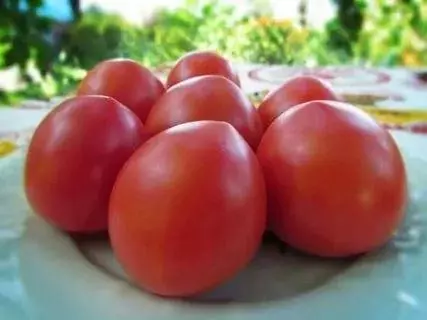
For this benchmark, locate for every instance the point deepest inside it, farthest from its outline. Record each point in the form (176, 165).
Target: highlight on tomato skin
(209, 97)
(199, 63)
(188, 209)
(125, 80)
(297, 90)
(336, 181)
(73, 160)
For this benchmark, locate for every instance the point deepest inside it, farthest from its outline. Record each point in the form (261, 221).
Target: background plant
(394, 33)
(52, 56)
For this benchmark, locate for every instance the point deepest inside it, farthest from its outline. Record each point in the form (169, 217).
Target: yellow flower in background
(411, 59)
(264, 21)
(6, 147)
(285, 23)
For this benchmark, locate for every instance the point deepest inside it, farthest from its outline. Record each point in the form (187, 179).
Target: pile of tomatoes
(187, 176)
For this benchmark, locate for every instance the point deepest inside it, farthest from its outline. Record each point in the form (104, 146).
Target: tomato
(295, 91)
(73, 160)
(188, 210)
(126, 81)
(208, 97)
(335, 179)
(199, 63)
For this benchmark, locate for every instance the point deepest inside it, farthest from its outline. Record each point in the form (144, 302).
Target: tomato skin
(73, 160)
(199, 63)
(297, 90)
(208, 97)
(188, 210)
(126, 81)
(336, 181)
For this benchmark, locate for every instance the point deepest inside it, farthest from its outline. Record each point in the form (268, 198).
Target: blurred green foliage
(94, 37)
(23, 35)
(265, 40)
(170, 34)
(377, 32)
(343, 31)
(394, 33)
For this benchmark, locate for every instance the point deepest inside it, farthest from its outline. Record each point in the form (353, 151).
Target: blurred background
(46, 46)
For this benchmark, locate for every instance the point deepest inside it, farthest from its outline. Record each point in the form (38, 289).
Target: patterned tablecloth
(397, 97)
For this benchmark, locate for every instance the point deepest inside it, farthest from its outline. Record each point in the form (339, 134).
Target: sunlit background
(138, 12)
(47, 45)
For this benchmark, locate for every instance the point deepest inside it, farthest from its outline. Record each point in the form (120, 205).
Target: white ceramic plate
(68, 280)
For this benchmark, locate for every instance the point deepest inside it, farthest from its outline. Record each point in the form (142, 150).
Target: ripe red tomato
(188, 209)
(295, 91)
(126, 81)
(199, 63)
(208, 97)
(73, 160)
(335, 179)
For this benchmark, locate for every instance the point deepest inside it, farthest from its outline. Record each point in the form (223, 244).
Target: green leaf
(17, 54)
(34, 3)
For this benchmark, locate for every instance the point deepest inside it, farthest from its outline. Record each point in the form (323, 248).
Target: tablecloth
(380, 90)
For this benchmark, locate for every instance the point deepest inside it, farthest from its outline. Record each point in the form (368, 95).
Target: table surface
(383, 88)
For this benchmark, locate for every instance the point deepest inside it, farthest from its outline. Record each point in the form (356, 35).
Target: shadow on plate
(276, 273)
